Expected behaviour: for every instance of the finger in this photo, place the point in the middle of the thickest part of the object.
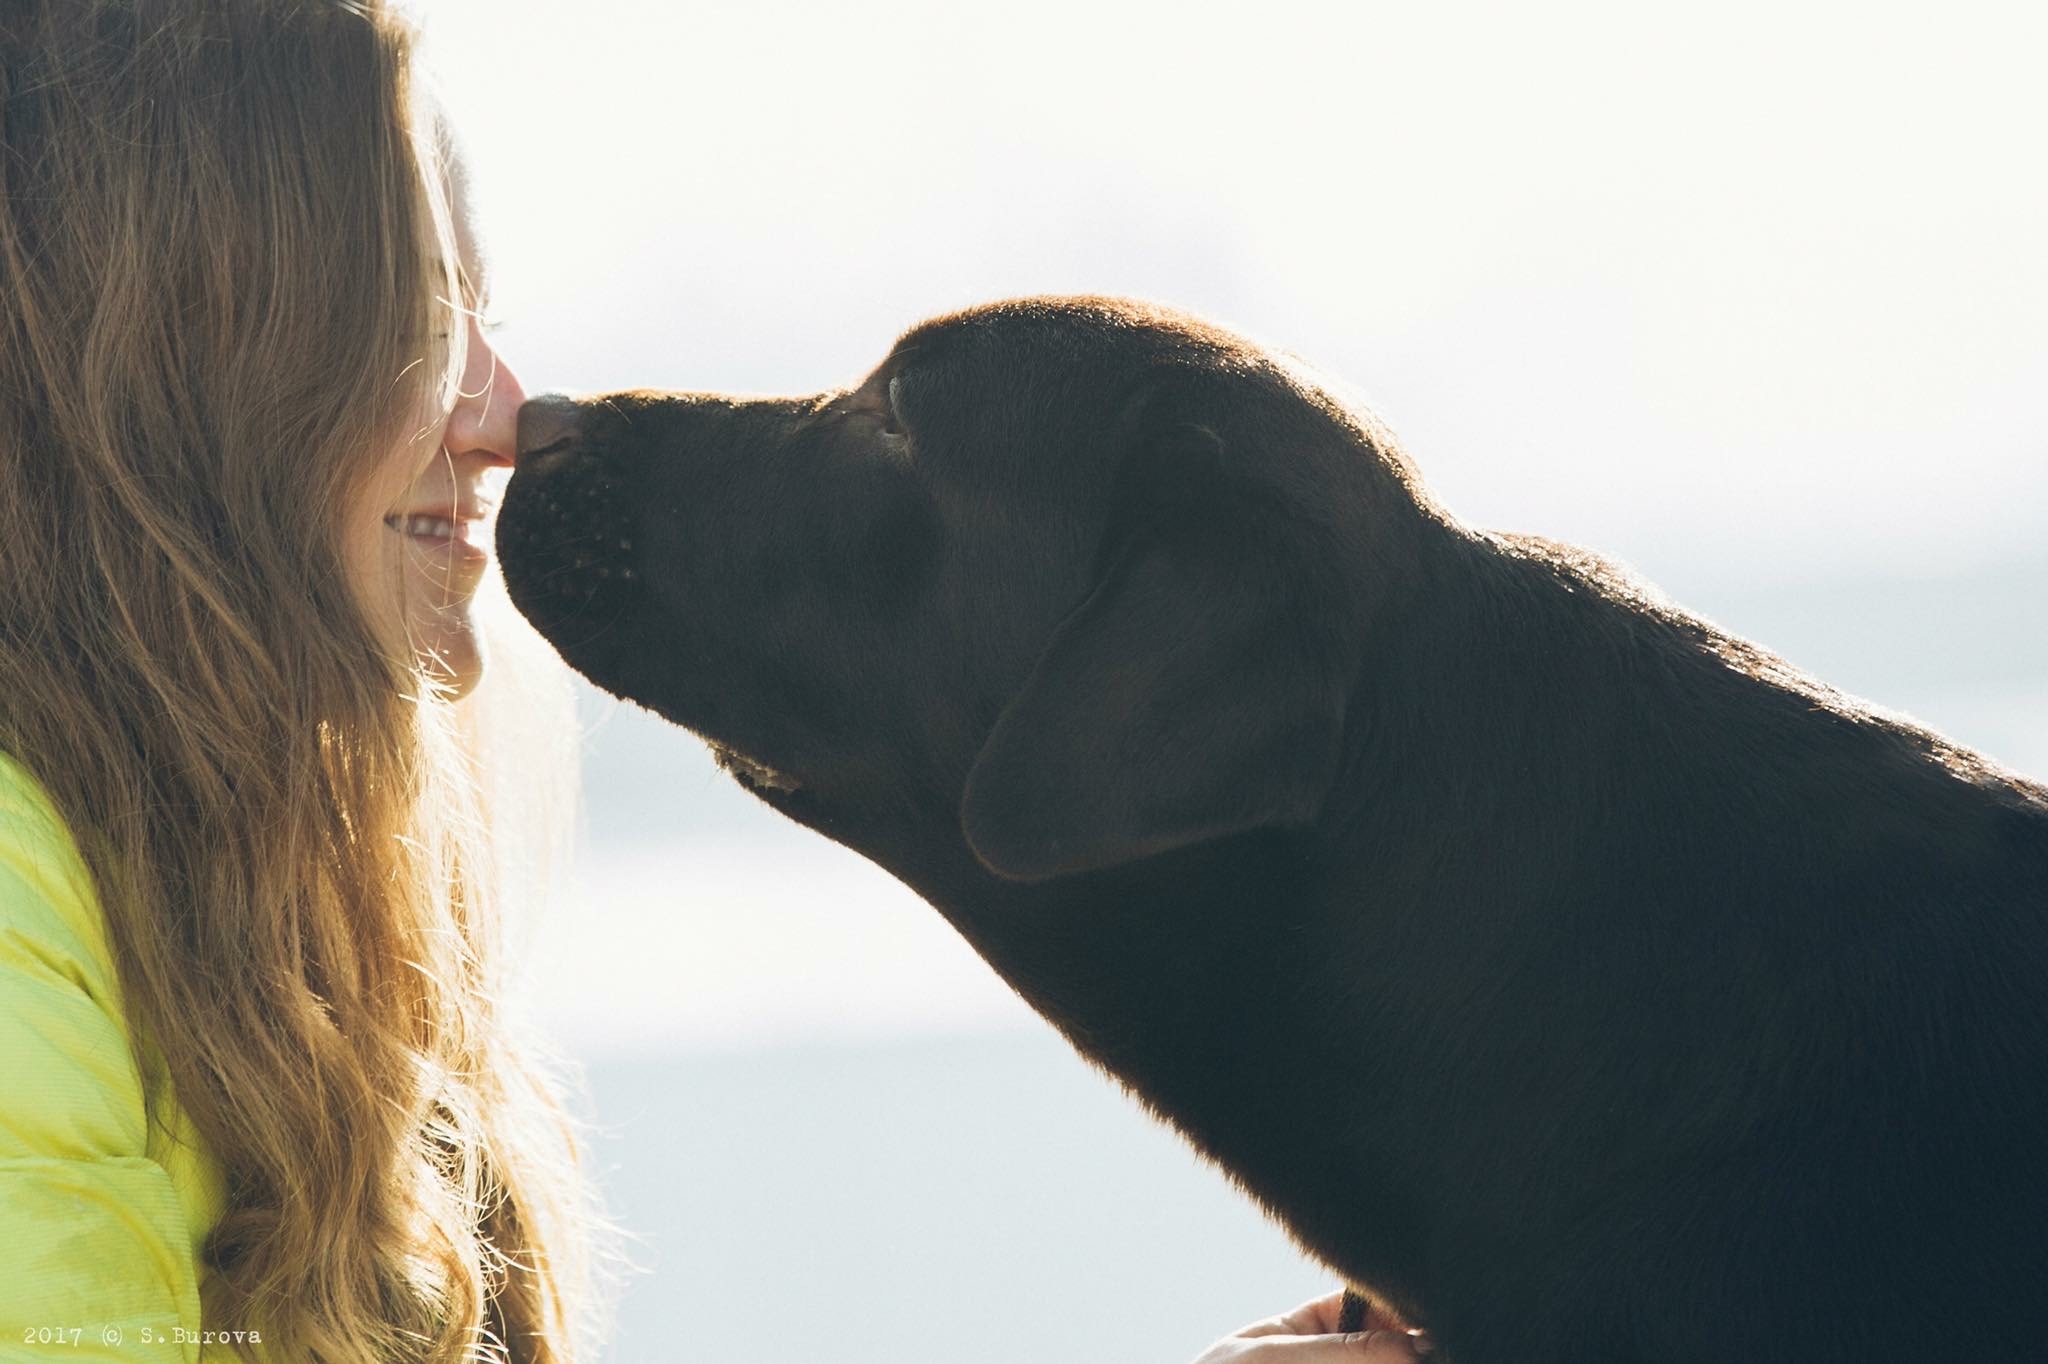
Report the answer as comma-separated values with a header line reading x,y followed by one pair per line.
x,y
1360,1347
1389,1345
1321,1317
1317,1317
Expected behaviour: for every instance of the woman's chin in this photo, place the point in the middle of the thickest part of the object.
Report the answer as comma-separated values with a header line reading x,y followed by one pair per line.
x,y
452,655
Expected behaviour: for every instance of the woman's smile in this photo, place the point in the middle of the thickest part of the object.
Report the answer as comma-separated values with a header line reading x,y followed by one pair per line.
x,y
445,529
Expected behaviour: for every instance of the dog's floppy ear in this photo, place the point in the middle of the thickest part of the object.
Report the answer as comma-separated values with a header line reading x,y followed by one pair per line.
x,y
1199,690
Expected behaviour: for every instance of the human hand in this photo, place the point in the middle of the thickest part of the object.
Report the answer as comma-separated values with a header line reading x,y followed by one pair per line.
x,y
1309,1335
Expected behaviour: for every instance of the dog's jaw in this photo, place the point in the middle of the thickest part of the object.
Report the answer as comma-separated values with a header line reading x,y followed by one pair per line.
x,y
565,543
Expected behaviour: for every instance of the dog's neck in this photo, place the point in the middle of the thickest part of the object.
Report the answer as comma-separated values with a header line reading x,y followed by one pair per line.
x,y
1494,712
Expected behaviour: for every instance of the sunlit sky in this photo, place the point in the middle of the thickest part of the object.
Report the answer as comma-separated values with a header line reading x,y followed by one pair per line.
x,y
1766,276
1748,295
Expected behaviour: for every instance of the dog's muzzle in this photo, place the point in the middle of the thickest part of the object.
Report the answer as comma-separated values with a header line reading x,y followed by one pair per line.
x,y
565,535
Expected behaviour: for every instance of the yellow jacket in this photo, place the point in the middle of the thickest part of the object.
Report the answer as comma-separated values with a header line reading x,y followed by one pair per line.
x,y
101,1222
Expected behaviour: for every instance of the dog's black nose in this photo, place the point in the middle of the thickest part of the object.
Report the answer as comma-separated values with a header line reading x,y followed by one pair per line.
x,y
548,423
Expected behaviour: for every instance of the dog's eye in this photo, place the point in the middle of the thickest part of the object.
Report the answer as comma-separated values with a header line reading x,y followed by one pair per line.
x,y
894,425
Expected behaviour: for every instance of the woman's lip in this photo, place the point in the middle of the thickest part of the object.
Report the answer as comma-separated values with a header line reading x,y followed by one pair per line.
x,y
442,533
464,512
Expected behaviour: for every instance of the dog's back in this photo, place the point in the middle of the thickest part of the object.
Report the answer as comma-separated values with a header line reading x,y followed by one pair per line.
x,y
1729,993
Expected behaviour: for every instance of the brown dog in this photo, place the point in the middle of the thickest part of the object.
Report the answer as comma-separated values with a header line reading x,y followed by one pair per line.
x,y
1586,983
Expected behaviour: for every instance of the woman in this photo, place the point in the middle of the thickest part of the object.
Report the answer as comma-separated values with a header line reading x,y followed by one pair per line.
x,y
257,1079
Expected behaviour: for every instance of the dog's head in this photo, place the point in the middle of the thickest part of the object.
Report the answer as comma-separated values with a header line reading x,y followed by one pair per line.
x,y
1084,579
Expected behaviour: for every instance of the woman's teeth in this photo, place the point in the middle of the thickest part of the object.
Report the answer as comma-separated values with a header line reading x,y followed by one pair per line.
x,y
427,527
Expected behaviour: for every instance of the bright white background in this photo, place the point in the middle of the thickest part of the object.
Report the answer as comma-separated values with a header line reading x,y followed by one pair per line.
x,y
1752,296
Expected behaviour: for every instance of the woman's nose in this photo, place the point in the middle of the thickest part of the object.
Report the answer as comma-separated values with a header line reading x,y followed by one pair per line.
x,y
485,420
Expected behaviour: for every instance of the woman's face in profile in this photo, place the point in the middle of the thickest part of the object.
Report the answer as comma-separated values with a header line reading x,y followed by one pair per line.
x,y
420,535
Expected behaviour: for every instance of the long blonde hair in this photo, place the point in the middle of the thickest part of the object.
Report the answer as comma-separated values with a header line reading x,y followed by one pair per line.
x,y
225,255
